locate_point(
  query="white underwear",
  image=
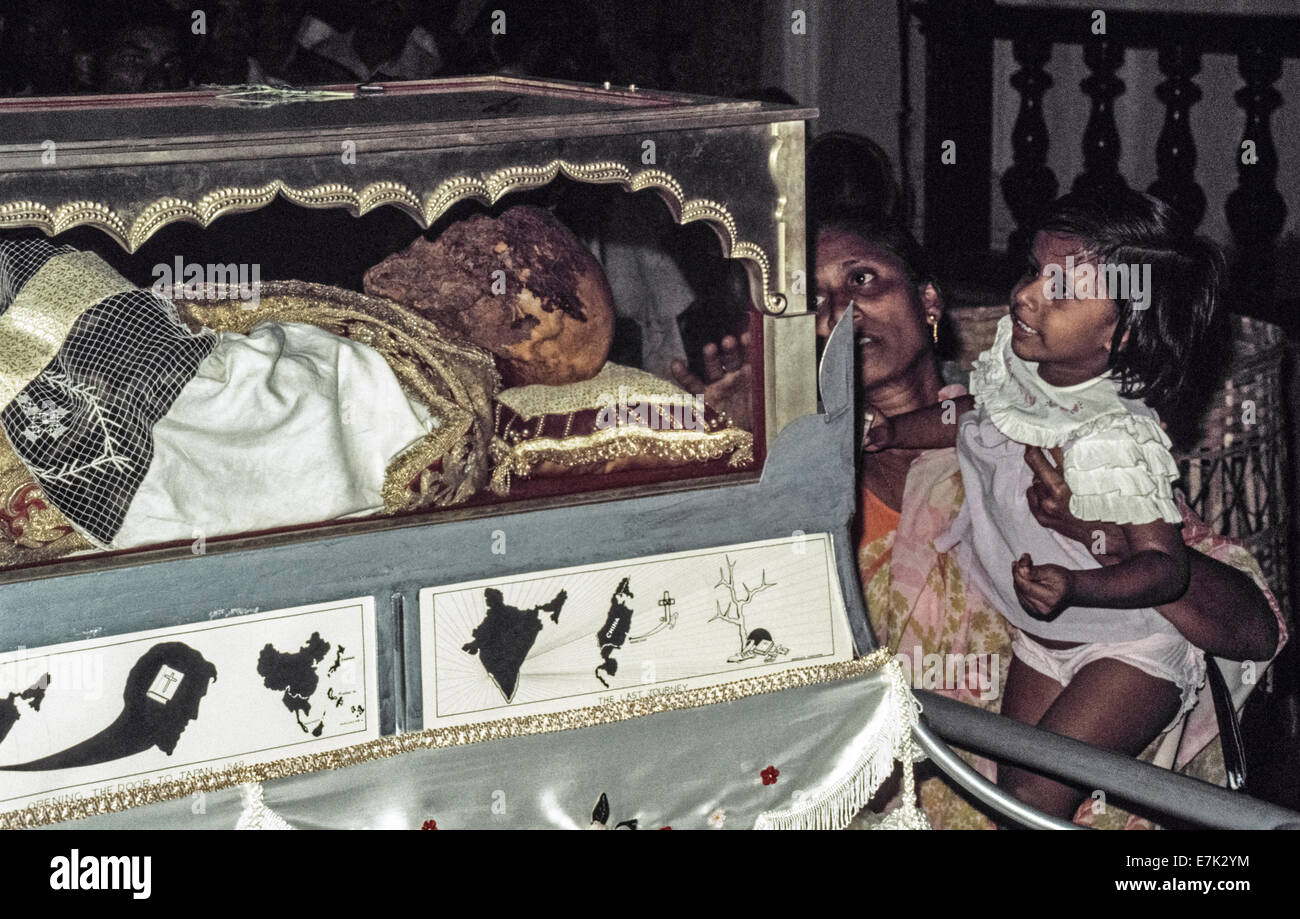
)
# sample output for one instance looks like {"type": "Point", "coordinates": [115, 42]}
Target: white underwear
{"type": "Point", "coordinates": [1167, 657]}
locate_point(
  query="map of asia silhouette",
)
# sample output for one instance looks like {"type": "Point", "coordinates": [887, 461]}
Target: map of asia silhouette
{"type": "Point", "coordinates": [232, 687]}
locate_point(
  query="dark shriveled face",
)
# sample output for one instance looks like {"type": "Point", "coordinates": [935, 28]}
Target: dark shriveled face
{"type": "Point", "coordinates": [519, 285]}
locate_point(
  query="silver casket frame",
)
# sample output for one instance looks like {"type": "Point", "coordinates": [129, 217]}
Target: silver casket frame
{"type": "Point", "coordinates": [130, 166]}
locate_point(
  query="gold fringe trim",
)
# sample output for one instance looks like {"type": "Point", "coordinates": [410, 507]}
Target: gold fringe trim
{"type": "Point", "coordinates": [34, 327]}
{"type": "Point", "coordinates": [439, 738]}
{"type": "Point", "coordinates": [415, 461]}
{"type": "Point", "coordinates": [672, 446]}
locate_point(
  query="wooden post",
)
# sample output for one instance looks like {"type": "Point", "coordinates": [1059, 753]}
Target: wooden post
{"type": "Point", "coordinates": [1176, 147]}
{"type": "Point", "coordinates": [958, 118]}
{"type": "Point", "coordinates": [1101, 143]}
{"type": "Point", "coordinates": [1029, 185]}
{"type": "Point", "coordinates": [1255, 209]}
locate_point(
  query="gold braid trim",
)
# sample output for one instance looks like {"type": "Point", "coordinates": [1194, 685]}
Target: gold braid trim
{"type": "Point", "coordinates": [673, 446]}
{"type": "Point", "coordinates": [32, 529]}
{"type": "Point", "coordinates": [439, 738]}
{"type": "Point", "coordinates": [415, 462]}
{"type": "Point", "coordinates": [34, 327]}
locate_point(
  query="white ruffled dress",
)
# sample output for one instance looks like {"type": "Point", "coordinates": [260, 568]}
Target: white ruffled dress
{"type": "Point", "coordinates": [1117, 462]}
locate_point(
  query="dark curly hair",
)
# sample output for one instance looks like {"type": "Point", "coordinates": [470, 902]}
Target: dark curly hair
{"type": "Point", "coordinates": [1169, 333]}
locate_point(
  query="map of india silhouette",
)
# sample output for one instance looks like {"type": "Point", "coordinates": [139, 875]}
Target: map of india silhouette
{"type": "Point", "coordinates": [506, 635]}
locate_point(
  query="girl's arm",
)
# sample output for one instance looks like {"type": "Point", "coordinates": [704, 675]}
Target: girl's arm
{"type": "Point", "coordinates": [1223, 612]}
{"type": "Point", "coordinates": [928, 428]}
{"type": "Point", "coordinates": [1156, 572]}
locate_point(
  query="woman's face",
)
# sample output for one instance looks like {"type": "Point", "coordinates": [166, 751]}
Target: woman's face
{"type": "Point", "coordinates": [889, 311]}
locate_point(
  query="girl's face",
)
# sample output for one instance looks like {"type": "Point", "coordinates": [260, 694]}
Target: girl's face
{"type": "Point", "coordinates": [1069, 337]}
{"type": "Point", "coordinates": [889, 311]}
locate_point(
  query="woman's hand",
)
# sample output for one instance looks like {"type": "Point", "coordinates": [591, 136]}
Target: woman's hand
{"type": "Point", "coordinates": [1223, 611]}
{"type": "Point", "coordinates": [1049, 502]}
{"type": "Point", "coordinates": [1043, 590]}
{"type": "Point", "coordinates": [728, 383]}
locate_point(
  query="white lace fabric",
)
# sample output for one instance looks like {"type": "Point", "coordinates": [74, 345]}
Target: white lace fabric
{"type": "Point", "coordinates": [1118, 462]}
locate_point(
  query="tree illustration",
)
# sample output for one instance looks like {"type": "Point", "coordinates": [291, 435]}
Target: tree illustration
{"type": "Point", "coordinates": [735, 611]}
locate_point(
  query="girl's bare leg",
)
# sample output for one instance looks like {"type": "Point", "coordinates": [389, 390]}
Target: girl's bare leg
{"type": "Point", "coordinates": [1026, 697]}
{"type": "Point", "coordinates": [1108, 704]}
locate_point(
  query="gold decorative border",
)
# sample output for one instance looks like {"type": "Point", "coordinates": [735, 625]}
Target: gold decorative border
{"type": "Point", "coordinates": [673, 446]}
{"type": "Point", "coordinates": [35, 325]}
{"type": "Point", "coordinates": [424, 209]}
{"type": "Point", "coordinates": [437, 738]}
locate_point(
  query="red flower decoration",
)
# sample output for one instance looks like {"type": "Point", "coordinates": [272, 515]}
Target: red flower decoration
{"type": "Point", "coordinates": [769, 775]}
{"type": "Point", "coordinates": [430, 825]}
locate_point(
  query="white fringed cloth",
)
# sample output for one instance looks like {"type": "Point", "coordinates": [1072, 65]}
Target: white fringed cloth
{"type": "Point", "coordinates": [829, 746]}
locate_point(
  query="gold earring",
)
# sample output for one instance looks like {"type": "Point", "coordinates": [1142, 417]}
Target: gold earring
{"type": "Point", "coordinates": [934, 328]}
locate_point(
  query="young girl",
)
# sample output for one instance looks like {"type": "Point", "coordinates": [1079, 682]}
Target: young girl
{"type": "Point", "coordinates": [1106, 327]}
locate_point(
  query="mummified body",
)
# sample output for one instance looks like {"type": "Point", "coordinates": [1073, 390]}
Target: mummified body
{"type": "Point", "coordinates": [519, 285]}
{"type": "Point", "coordinates": [137, 424]}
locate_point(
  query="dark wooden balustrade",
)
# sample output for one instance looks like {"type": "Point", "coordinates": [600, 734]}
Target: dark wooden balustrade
{"type": "Point", "coordinates": [959, 38]}
{"type": "Point", "coordinates": [1029, 185]}
{"type": "Point", "coordinates": [1176, 147]}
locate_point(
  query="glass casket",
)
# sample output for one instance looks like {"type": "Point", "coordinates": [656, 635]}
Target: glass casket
{"type": "Point", "coordinates": [566, 624]}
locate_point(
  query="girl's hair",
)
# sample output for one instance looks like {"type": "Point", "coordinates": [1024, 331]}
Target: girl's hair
{"type": "Point", "coordinates": [1167, 340]}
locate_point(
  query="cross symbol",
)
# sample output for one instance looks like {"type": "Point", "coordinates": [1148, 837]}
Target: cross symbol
{"type": "Point", "coordinates": [164, 684]}
{"type": "Point", "coordinates": [667, 602]}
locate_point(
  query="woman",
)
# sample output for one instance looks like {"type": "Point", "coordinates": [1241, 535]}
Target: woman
{"type": "Point", "coordinates": [917, 597]}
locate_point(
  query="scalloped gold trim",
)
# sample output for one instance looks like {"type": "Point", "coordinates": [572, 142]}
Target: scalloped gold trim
{"type": "Point", "coordinates": [424, 209]}
{"type": "Point", "coordinates": [18, 214]}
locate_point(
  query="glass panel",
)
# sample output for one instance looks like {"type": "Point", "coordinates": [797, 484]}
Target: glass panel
{"type": "Point", "coordinates": [309, 401]}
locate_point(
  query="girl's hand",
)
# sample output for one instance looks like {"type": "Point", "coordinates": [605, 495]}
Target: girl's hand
{"type": "Point", "coordinates": [1043, 590]}
{"type": "Point", "coordinates": [877, 430]}
{"type": "Point", "coordinates": [1049, 501]}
